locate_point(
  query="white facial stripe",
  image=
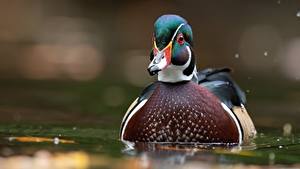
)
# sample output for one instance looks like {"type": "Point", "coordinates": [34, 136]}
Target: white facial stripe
{"type": "Point", "coordinates": [159, 60]}
{"type": "Point", "coordinates": [190, 57]}
{"type": "Point", "coordinates": [177, 31]}
{"type": "Point", "coordinates": [174, 35]}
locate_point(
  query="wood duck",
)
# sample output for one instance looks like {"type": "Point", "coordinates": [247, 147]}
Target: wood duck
{"type": "Point", "coordinates": [183, 105]}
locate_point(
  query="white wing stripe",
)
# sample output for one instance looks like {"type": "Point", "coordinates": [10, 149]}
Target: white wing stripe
{"type": "Point", "coordinates": [140, 105]}
{"type": "Point", "coordinates": [235, 121]}
{"type": "Point", "coordinates": [133, 104]}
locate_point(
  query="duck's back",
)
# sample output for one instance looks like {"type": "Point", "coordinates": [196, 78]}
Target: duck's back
{"type": "Point", "coordinates": [182, 112]}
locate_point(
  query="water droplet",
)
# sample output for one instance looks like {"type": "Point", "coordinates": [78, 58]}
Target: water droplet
{"type": "Point", "coordinates": [56, 140]}
{"type": "Point", "coordinates": [248, 91]}
{"type": "Point", "coordinates": [287, 129]}
{"type": "Point", "coordinates": [145, 162]}
{"type": "Point", "coordinates": [74, 128]}
{"type": "Point", "coordinates": [298, 14]}
{"type": "Point", "coordinates": [266, 53]}
{"type": "Point", "coordinates": [11, 138]}
{"type": "Point", "coordinates": [278, 139]}
{"type": "Point", "coordinates": [237, 55]}
{"type": "Point", "coordinates": [280, 147]}
{"type": "Point", "coordinates": [271, 158]}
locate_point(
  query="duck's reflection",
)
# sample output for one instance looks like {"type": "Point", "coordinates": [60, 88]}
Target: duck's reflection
{"type": "Point", "coordinates": [170, 155]}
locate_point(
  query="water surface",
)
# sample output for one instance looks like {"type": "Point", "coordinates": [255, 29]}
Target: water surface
{"type": "Point", "coordinates": [50, 125]}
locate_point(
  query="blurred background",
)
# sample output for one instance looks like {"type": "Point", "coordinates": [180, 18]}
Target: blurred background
{"type": "Point", "coordinates": [83, 62]}
{"type": "Point", "coordinates": [69, 70]}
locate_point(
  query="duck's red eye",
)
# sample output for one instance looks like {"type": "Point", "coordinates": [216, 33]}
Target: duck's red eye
{"type": "Point", "coordinates": [180, 39]}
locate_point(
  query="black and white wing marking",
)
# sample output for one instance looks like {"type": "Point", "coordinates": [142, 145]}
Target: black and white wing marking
{"type": "Point", "coordinates": [136, 105]}
{"type": "Point", "coordinates": [233, 99]}
{"type": "Point", "coordinates": [219, 82]}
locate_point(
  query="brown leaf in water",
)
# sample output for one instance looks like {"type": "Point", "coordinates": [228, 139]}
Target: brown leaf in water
{"type": "Point", "coordinates": [40, 139]}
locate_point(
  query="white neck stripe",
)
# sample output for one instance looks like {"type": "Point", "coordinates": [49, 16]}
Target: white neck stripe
{"type": "Point", "coordinates": [174, 73]}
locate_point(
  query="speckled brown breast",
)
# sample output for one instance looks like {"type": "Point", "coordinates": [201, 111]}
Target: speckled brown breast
{"type": "Point", "coordinates": [181, 112]}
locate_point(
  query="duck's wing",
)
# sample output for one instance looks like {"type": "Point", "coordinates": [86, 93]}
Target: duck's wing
{"type": "Point", "coordinates": [219, 82]}
{"type": "Point", "coordinates": [137, 104]}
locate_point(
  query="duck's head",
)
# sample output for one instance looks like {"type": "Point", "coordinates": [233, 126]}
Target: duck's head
{"type": "Point", "coordinates": [171, 56]}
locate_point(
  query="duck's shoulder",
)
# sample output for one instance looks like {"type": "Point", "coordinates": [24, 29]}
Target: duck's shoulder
{"type": "Point", "coordinates": [148, 91]}
{"type": "Point", "coordinates": [220, 83]}
{"type": "Point", "coordinates": [141, 99]}
{"type": "Point", "coordinates": [137, 104]}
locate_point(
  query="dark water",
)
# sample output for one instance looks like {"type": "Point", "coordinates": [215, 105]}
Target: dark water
{"type": "Point", "coordinates": [102, 144]}
{"type": "Point", "coordinates": [54, 125]}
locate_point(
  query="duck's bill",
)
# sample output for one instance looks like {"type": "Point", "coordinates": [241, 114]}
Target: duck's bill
{"type": "Point", "coordinates": [158, 63]}
{"type": "Point", "coordinates": [153, 70]}
{"type": "Point", "coordinates": [160, 60]}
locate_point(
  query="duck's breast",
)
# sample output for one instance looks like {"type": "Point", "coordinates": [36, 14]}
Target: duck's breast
{"type": "Point", "coordinates": [182, 112]}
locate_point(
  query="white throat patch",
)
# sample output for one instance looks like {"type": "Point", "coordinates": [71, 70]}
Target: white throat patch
{"type": "Point", "coordinates": [174, 73]}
